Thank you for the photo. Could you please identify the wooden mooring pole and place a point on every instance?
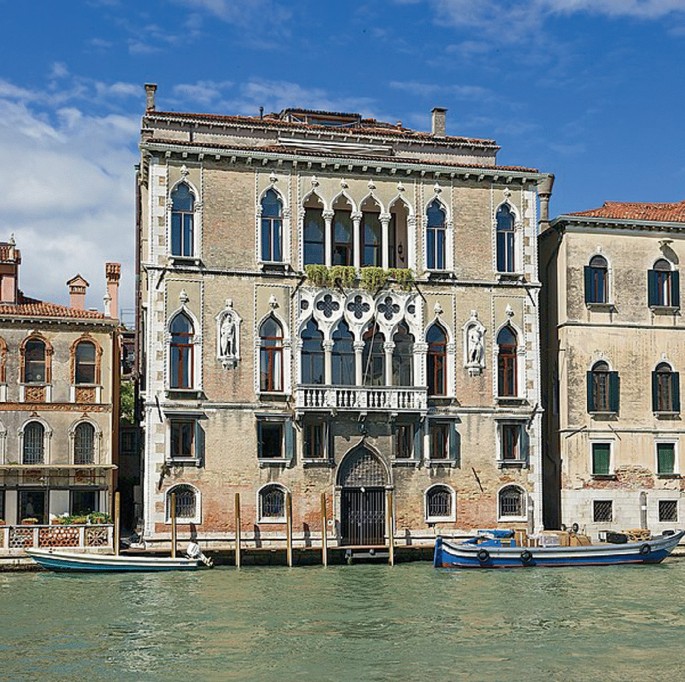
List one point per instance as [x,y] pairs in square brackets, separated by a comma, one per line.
[391,528]
[238,557]
[116,540]
[324,531]
[289,528]
[172,502]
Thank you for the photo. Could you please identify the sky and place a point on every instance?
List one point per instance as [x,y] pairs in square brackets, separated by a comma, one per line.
[590,90]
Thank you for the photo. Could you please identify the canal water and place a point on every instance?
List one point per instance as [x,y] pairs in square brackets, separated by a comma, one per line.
[361,622]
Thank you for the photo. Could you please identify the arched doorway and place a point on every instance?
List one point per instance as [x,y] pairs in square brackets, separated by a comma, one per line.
[362,478]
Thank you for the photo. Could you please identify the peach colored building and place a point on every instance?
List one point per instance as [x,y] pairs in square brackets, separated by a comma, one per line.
[332,304]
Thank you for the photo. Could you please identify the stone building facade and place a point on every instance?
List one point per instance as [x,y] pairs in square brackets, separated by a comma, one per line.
[59,388]
[613,334]
[331,304]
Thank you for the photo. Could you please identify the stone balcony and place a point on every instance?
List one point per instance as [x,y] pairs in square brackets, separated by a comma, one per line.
[393,399]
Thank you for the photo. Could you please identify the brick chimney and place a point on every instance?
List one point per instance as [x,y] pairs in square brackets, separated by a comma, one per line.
[438,122]
[77,292]
[10,259]
[112,275]
[150,89]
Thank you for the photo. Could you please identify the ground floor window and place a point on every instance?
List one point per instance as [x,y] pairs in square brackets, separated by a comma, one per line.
[316,440]
[182,444]
[187,503]
[272,503]
[440,504]
[83,502]
[404,441]
[601,459]
[32,505]
[668,511]
[275,438]
[602,511]
[512,502]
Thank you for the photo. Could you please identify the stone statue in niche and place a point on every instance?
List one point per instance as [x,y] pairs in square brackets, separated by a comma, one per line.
[474,345]
[228,335]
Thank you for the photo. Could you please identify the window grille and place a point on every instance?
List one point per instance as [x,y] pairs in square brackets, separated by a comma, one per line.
[603,511]
[84,444]
[272,501]
[668,511]
[34,444]
[439,502]
[362,468]
[186,502]
[511,502]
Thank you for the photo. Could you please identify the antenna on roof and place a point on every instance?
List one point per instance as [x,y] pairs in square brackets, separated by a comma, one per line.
[261,113]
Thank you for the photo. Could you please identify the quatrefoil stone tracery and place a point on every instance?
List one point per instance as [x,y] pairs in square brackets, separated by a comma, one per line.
[328,306]
[388,309]
[358,307]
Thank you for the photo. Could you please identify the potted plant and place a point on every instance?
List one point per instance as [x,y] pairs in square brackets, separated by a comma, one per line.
[99,517]
[29,521]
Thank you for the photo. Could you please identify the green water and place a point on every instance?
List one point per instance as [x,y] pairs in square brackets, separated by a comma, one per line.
[410,622]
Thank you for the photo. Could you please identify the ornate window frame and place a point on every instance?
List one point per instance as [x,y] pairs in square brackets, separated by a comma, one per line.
[97,440]
[47,438]
[197,220]
[286,212]
[85,393]
[34,392]
[196,348]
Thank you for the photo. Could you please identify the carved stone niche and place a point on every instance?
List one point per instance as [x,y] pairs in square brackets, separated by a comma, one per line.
[228,336]
[474,345]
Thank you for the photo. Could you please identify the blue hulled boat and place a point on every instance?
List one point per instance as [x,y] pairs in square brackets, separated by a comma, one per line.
[493,550]
[89,562]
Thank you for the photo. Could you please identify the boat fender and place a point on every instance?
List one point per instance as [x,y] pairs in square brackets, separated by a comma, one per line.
[526,556]
[645,549]
[483,556]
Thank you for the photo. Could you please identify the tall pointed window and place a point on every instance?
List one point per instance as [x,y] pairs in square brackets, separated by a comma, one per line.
[665,389]
[312,357]
[182,216]
[373,357]
[371,239]
[85,363]
[663,285]
[343,356]
[84,444]
[314,237]
[272,227]
[34,444]
[505,240]
[437,356]
[506,362]
[596,280]
[34,362]
[181,352]
[602,389]
[403,357]
[271,355]
[343,243]
[435,236]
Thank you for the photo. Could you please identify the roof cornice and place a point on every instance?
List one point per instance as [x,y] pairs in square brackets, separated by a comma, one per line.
[564,221]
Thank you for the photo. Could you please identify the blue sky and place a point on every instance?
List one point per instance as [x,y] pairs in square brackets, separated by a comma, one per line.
[590,90]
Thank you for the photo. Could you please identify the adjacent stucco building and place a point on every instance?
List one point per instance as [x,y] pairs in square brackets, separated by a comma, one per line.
[337,305]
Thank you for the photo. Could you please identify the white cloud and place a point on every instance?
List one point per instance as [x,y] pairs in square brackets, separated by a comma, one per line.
[469,92]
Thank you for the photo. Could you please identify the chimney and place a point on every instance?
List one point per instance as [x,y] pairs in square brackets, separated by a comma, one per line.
[150,89]
[77,292]
[112,275]
[10,259]
[438,122]
[544,193]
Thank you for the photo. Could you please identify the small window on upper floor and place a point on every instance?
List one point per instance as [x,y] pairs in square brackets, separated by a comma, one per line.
[437,360]
[602,389]
[506,261]
[663,286]
[182,218]
[596,280]
[272,228]
[314,237]
[436,233]
[507,362]
[271,355]
[181,352]
[85,363]
[34,362]
[665,389]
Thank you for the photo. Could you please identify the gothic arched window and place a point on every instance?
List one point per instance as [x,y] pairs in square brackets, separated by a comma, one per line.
[272,227]
[506,362]
[436,232]
[182,217]
[505,240]
[312,356]
[181,352]
[437,360]
[271,355]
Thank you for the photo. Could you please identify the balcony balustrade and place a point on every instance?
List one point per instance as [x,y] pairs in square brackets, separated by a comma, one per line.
[362,398]
[15,539]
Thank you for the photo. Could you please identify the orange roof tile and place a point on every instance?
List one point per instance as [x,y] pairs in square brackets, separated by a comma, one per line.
[31,307]
[633,210]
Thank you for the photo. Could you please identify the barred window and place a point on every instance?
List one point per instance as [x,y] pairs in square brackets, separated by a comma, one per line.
[511,502]
[34,444]
[186,502]
[84,444]
[272,503]
[668,511]
[603,511]
[439,503]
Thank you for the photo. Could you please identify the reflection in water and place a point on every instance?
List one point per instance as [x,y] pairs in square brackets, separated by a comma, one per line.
[346,623]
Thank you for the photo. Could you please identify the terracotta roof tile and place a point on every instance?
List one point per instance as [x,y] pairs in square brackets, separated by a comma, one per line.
[619,210]
[32,307]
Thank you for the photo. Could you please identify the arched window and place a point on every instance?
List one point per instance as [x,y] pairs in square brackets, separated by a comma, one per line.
[663,285]
[596,280]
[85,361]
[271,355]
[440,503]
[272,503]
[437,360]
[403,357]
[435,236]
[186,503]
[34,362]
[602,389]
[371,237]
[182,216]
[343,242]
[272,227]
[665,389]
[343,357]
[506,362]
[373,357]
[505,239]
[312,357]
[314,237]
[34,444]
[512,502]
[181,352]
[84,444]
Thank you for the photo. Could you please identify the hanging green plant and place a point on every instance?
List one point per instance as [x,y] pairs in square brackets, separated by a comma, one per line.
[344,275]
[374,279]
[404,277]
[318,275]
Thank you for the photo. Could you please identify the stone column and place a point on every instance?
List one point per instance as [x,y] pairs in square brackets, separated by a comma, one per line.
[358,362]
[328,237]
[385,233]
[328,362]
[356,239]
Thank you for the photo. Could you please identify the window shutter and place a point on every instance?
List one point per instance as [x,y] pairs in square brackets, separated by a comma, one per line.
[652,297]
[614,391]
[455,444]
[590,394]
[675,289]
[601,459]
[418,442]
[328,437]
[260,447]
[524,444]
[199,443]
[675,388]
[665,458]
[655,392]
[588,285]
[289,439]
